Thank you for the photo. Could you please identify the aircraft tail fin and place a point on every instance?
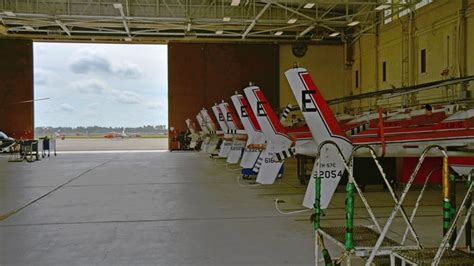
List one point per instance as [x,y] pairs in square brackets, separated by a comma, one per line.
[316,111]
[271,127]
[324,127]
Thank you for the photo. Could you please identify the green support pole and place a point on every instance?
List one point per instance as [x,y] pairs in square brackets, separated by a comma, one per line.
[349,216]
[446,216]
[452,198]
[324,251]
[317,221]
[317,204]
[327,258]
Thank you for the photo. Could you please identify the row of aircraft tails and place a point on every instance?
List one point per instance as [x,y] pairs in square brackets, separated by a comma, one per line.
[250,125]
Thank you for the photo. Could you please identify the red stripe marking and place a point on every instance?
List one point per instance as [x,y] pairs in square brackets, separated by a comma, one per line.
[434,135]
[323,107]
[235,118]
[213,121]
[251,115]
[274,121]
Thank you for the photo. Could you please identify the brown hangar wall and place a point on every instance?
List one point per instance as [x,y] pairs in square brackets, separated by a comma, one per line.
[16,85]
[200,75]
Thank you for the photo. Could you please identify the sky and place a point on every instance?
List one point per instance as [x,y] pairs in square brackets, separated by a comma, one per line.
[114,85]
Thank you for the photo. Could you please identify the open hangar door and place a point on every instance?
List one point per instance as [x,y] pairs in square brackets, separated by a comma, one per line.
[201,74]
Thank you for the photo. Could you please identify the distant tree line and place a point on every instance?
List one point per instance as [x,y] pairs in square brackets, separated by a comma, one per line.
[98,130]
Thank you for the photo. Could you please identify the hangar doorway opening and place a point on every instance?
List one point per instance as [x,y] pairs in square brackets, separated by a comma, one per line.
[101,96]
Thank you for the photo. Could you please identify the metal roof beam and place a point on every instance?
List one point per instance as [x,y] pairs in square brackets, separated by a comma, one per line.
[124,19]
[250,27]
[63,27]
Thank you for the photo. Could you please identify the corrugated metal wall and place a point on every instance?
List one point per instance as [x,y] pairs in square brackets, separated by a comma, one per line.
[201,74]
[16,85]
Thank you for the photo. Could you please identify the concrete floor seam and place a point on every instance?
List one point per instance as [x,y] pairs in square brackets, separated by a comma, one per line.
[149,221]
[11,213]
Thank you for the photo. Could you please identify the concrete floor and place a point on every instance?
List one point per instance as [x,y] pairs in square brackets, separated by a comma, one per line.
[163,208]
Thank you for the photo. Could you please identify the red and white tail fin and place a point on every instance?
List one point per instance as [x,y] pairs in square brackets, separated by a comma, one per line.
[203,132]
[209,122]
[323,126]
[247,117]
[226,145]
[236,145]
[220,117]
[201,123]
[189,124]
[224,107]
[275,133]
[251,127]
[235,117]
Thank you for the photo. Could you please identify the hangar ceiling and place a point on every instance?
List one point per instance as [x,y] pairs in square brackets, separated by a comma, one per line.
[162,20]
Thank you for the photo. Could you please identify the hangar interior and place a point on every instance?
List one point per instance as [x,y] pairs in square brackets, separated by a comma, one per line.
[186,208]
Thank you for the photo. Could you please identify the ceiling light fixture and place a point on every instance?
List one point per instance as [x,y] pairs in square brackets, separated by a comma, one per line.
[219,32]
[353,23]
[308,5]
[334,34]
[382,7]
[235,3]
[226,19]
[118,6]
[292,21]
[28,28]
[278,33]
[189,27]
[9,13]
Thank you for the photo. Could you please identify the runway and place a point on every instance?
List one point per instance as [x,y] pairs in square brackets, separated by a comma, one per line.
[103,144]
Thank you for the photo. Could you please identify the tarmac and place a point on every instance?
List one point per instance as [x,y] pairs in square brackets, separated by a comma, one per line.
[171,208]
[103,144]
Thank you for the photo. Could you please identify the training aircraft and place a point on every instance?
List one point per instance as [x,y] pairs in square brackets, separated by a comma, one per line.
[59,135]
[255,139]
[194,135]
[235,133]
[204,133]
[227,138]
[455,133]
[281,142]
[214,132]
[5,142]
[115,135]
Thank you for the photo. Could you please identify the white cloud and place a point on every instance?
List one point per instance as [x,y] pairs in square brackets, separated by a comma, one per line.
[90,61]
[67,107]
[155,105]
[44,77]
[127,97]
[128,70]
[89,86]
[93,106]
[98,87]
